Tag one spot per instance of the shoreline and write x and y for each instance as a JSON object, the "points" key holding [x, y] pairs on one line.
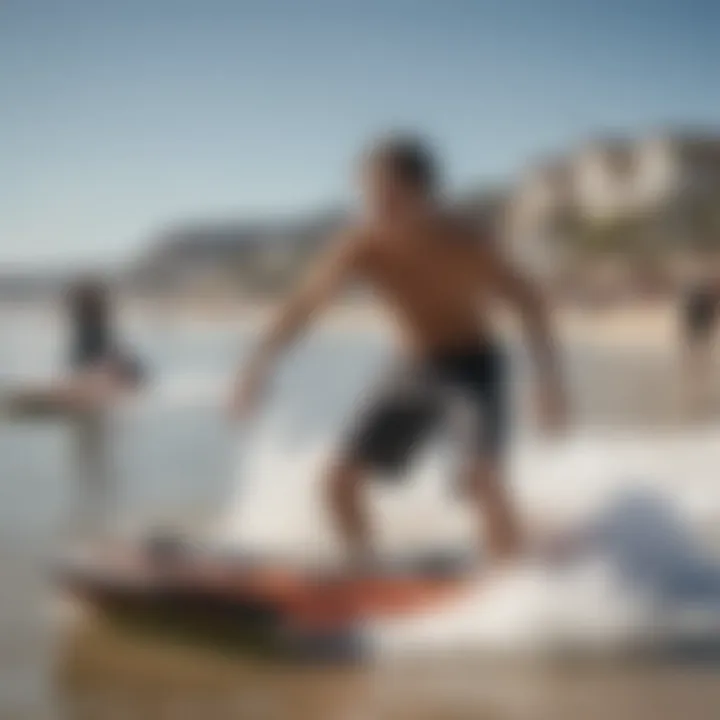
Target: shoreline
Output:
{"points": [[638, 324]]}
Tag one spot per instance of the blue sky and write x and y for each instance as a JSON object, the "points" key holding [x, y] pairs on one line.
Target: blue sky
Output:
{"points": [[117, 118]]}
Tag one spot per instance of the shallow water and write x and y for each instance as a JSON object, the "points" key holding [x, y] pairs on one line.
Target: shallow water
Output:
{"points": [[176, 461], [102, 671]]}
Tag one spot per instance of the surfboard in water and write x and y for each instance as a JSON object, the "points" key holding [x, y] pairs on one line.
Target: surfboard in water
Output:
{"points": [[166, 586]]}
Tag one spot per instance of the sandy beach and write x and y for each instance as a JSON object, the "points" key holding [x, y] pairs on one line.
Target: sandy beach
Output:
{"points": [[650, 324]]}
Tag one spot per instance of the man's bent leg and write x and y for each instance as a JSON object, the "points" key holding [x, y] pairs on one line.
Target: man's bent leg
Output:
{"points": [[494, 509], [345, 479]]}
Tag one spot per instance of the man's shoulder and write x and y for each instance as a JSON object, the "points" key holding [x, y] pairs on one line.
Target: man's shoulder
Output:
{"points": [[352, 243], [359, 237], [356, 233], [465, 229]]}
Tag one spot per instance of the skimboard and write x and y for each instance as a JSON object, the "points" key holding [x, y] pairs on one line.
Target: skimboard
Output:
{"points": [[261, 603]]}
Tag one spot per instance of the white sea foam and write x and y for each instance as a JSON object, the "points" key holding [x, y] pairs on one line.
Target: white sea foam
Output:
{"points": [[645, 502]]}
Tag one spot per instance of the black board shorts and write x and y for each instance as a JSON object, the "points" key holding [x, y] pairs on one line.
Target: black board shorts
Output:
{"points": [[467, 385]]}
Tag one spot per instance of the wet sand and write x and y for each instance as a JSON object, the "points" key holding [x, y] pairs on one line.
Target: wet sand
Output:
{"points": [[103, 672]]}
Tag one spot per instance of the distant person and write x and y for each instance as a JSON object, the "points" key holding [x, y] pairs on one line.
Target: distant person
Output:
{"points": [[438, 276], [99, 369], [99, 373], [96, 353], [700, 313]]}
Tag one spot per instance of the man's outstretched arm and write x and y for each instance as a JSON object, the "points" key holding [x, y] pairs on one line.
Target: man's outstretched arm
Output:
{"points": [[531, 304], [325, 280]]}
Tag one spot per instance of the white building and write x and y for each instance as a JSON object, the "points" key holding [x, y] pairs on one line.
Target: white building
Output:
{"points": [[610, 179]]}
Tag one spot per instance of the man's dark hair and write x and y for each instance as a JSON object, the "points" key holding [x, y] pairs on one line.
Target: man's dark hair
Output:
{"points": [[410, 159]]}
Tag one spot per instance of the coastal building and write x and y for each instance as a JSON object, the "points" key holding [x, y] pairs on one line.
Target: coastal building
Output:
{"points": [[609, 179], [632, 206]]}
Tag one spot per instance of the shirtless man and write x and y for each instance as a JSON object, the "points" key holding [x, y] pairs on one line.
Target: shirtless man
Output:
{"points": [[438, 276]]}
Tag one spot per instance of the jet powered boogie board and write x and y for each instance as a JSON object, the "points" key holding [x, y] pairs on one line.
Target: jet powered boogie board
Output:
{"points": [[165, 586]]}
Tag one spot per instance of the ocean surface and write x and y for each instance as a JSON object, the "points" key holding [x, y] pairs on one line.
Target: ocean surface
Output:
{"points": [[177, 461]]}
